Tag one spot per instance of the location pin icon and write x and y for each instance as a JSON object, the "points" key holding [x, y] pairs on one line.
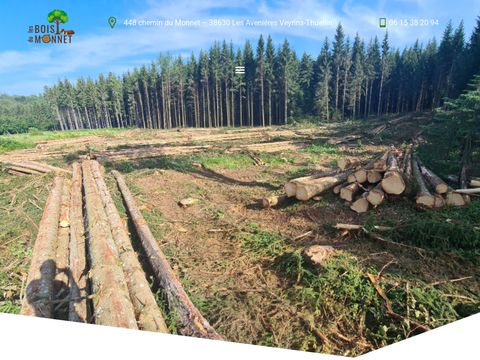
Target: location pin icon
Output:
{"points": [[112, 20]]}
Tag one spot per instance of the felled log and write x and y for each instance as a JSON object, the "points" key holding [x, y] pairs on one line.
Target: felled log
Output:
{"points": [[468, 191], [380, 164], [344, 139], [23, 170], [433, 180], [439, 201], [273, 200], [112, 305], [39, 291], [360, 175], [399, 119], [348, 191], [379, 129], [473, 182], [350, 227], [374, 176], [361, 204], [337, 188], [190, 319], [346, 163], [61, 285], [78, 282], [147, 312], [407, 163], [424, 197], [455, 199], [291, 185], [305, 190], [392, 182], [16, 173], [37, 168], [376, 195]]}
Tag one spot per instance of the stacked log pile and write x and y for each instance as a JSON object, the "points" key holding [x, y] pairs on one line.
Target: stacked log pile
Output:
{"points": [[84, 267], [367, 185]]}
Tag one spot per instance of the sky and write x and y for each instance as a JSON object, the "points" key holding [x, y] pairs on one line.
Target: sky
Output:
{"points": [[25, 68]]}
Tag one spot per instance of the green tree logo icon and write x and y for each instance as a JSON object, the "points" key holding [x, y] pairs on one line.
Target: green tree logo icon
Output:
{"points": [[57, 16]]}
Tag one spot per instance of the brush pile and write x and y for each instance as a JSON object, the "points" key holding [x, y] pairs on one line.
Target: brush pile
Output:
{"points": [[367, 185]]}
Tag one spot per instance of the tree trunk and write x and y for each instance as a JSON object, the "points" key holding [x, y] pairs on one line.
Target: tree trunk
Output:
{"points": [[147, 313], [307, 189], [376, 195], [39, 291], [78, 273], [112, 304], [433, 180], [393, 182], [191, 320], [424, 197]]}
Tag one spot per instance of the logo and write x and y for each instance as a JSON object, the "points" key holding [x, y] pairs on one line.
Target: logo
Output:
{"points": [[54, 33]]}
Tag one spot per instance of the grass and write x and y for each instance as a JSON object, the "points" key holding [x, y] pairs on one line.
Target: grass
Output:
{"points": [[341, 293], [32, 138], [21, 203], [184, 163]]}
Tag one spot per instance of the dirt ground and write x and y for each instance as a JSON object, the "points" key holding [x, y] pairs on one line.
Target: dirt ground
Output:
{"points": [[242, 292]]}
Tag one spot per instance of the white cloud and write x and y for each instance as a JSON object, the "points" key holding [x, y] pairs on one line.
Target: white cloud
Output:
{"points": [[124, 47]]}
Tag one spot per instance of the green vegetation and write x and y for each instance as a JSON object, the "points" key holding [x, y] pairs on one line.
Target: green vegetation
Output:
{"points": [[454, 229], [21, 202], [341, 289], [456, 124], [20, 113], [34, 136]]}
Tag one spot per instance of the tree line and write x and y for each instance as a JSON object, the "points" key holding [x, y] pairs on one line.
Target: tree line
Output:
{"points": [[349, 79]]}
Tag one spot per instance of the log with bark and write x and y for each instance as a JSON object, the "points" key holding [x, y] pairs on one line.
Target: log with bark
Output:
{"points": [[348, 191], [344, 139], [78, 267], [307, 189], [274, 200], [39, 292], [61, 285], [454, 198], [392, 182], [433, 180], [424, 198], [112, 305], [32, 167], [374, 176], [24, 171], [380, 164], [346, 163], [376, 195], [439, 201], [379, 129], [291, 185], [399, 119], [190, 319], [147, 312], [361, 204]]}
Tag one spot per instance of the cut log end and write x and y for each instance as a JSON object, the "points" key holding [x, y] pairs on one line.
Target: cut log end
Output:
{"points": [[360, 205], [393, 183], [426, 201]]}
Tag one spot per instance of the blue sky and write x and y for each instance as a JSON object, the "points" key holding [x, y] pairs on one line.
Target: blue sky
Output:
{"points": [[25, 67]]}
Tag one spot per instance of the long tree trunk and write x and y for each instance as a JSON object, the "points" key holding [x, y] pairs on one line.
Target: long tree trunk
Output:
{"points": [[147, 312], [112, 305], [39, 291], [191, 320]]}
